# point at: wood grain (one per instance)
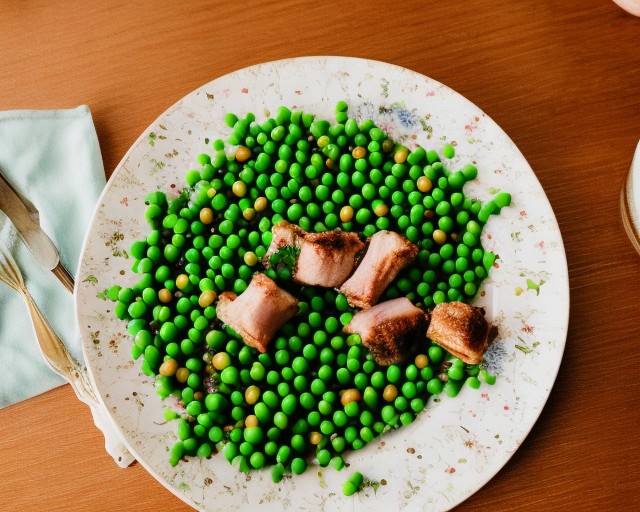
(561, 78)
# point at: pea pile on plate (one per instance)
(317, 392)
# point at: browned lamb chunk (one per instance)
(388, 253)
(389, 329)
(461, 329)
(325, 259)
(258, 312)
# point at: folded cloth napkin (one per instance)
(52, 158)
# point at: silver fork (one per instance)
(61, 361)
(51, 346)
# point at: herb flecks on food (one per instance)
(285, 257)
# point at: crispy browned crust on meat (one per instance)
(461, 329)
(392, 338)
(336, 239)
(376, 271)
(327, 259)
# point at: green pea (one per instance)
(366, 435)
(393, 373)
(168, 331)
(455, 281)
(289, 404)
(378, 380)
(325, 372)
(287, 373)
(452, 387)
(263, 161)
(446, 251)
(434, 386)
(229, 375)
(300, 365)
(363, 215)
(318, 386)
(485, 376)
(325, 408)
(389, 415)
(439, 297)
(253, 435)
(294, 212)
(262, 410)
(298, 466)
(281, 420)
(352, 409)
(177, 452)
(349, 488)
(409, 390)
(137, 309)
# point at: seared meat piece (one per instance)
(282, 234)
(388, 253)
(258, 312)
(326, 259)
(389, 329)
(461, 329)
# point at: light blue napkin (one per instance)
(53, 159)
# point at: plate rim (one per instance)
(488, 476)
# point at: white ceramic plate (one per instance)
(456, 445)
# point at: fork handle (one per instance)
(64, 364)
(57, 355)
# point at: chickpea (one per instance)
(439, 236)
(350, 395)
(346, 213)
(387, 145)
(400, 156)
(390, 393)
(251, 421)
(168, 368)
(323, 140)
(182, 281)
(251, 395)
(421, 361)
(249, 213)
(250, 258)
(260, 204)
(315, 438)
(182, 374)
(424, 184)
(381, 210)
(206, 298)
(206, 215)
(220, 361)
(165, 296)
(239, 188)
(359, 152)
(243, 154)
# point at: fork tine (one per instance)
(9, 271)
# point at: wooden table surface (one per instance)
(562, 78)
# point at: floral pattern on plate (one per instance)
(456, 445)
